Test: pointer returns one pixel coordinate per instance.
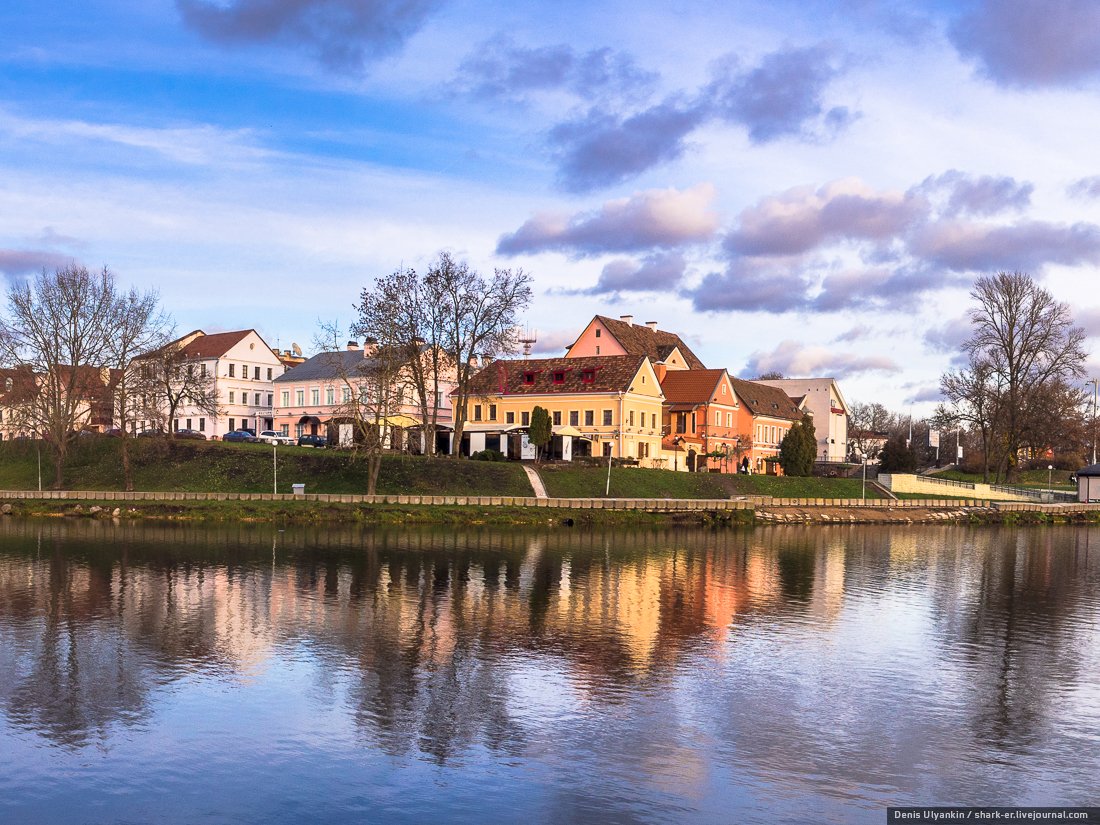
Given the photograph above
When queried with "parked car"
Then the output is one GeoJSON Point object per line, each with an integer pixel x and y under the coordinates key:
{"type": "Point", "coordinates": [193, 435]}
{"type": "Point", "coordinates": [237, 436]}
{"type": "Point", "coordinates": [272, 437]}
{"type": "Point", "coordinates": [150, 434]}
{"type": "Point", "coordinates": [312, 441]}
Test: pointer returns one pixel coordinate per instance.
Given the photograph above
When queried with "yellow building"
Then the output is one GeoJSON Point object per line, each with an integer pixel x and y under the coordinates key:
{"type": "Point", "coordinates": [603, 406]}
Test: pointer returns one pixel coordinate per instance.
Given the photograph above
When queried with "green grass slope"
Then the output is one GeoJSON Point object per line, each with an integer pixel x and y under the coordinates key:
{"type": "Point", "coordinates": [212, 466]}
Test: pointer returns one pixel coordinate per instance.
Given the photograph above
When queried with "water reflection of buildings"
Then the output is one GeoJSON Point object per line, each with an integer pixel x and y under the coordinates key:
{"type": "Point", "coordinates": [422, 628]}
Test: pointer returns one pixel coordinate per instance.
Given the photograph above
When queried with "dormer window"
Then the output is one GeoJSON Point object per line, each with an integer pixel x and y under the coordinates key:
{"type": "Point", "coordinates": [588, 376]}
{"type": "Point", "coordinates": [559, 377]}
{"type": "Point", "coordinates": [528, 378]}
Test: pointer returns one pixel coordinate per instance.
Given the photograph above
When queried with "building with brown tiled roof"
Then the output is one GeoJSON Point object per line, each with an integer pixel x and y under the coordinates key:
{"type": "Point", "coordinates": [606, 405]}
{"type": "Point", "coordinates": [606, 336]}
{"type": "Point", "coordinates": [22, 398]}
{"type": "Point", "coordinates": [822, 398]}
{"type": "Point", "coordinates": [767, 413]}
{"type": "Point", "coordinates": [242, 370]}
{"type": "Point", "coordinates": [702, 413]}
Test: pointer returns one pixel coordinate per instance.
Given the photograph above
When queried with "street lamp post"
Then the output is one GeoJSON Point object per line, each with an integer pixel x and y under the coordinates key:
{"type": "Point", "coordinates": [1050, 469]}
{"type": "Point", "coordinates": [1092, 431]}
{"type": "Point", "coordinates": [863, 460]}
{"type": "Point", "coordinates": [275, 466]}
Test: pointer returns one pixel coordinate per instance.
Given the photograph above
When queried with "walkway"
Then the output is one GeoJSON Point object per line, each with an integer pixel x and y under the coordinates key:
{"type": "Point", "coordinates": [536, 482]}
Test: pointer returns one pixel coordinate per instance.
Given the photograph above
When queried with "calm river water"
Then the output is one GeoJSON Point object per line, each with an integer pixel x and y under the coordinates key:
{"type": "Point", "coordinates": [246, 675]}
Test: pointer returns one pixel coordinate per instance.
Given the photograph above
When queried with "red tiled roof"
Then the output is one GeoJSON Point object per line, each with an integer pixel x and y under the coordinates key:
{"type": "Point", "coordinates": [214, 346]}
{"type": "Point", "coordinates": [638, 339]}
{"type": "Point", "coordinates": [764, 400]}
{"type": "Point", "coordinates": [610, 373]}
{"type": "Point", "coordinates": [691, 386]}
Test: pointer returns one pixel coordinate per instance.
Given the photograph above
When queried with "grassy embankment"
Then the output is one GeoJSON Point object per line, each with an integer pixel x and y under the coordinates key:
{"type": "Point", "coordinates": [215, 467]}
{"type": "Point", "coordinates": [632, 482]}
{"type": "Point", "coordinates": [1059, 479]}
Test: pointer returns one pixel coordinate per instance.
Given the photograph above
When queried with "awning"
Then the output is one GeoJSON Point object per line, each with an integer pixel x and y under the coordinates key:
{"type": "Point", "coordinates": [307, 418]}
{"type": "Point", "coordinates": [401, 421]}
{"type": "Point", "coordinates": [567, 429]}
{"type": "Point", "coordinates": [489, 428]}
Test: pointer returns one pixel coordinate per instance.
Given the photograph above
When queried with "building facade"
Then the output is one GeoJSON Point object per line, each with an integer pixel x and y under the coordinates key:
{"type": "Point", "coordinates": [702, 415]}
{"type": "Point", "coordinates": [822, 398]}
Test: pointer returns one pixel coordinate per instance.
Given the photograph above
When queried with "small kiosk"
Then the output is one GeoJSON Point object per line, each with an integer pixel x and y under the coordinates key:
{"type": "Point", "coordinates": [1088, 484]}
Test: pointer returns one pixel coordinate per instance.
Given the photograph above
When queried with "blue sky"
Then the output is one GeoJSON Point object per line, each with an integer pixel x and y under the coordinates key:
{"type": "Point", "coordinates": [809, 187]}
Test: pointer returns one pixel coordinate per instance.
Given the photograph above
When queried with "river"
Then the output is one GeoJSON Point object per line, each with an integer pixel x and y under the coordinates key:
{"type": "Point", "coordinates": [186, 674]}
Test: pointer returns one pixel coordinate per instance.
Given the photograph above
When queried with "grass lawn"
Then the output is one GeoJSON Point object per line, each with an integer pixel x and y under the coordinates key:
{"type": "Point", "coordinates": [632, 482]}
{"type": "Point", "coordinates": [1026, 478]}
{"type": "Point", "coordinates": [213, 466]}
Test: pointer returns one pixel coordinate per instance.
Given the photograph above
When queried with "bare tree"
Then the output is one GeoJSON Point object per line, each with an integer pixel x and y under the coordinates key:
{"type": "Point", "coordinates": [60, 326]}
{"type": "Point", "coordinates": [374, 384]}
{"type": "Point", "coordinates": [1024, 343]}
{"type": "Point", "coordinates": [140, 326]}
{"type": "Point", "coordinates": [403, 312]}
{"type": "Point", "coordinates": [868, 427]}
{"type": "Point", "coordinates": [168, 378]}
{"type": "Point", "coordinates": [480, 318]}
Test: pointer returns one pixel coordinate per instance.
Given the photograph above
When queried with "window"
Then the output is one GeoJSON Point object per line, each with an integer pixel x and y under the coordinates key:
{"type": "Point", "coordinates": [347, 395]}
{"type": "Point", "coordinates": [729, 419]}
{"type": "Point", "coordinates": [630, 419]}
{"type": "Point", "coordinates": [588, 376]}
{"type": "Point", "coordinates": [597, 333]}
{"type": "Point", "coordinates": [557, 417]}
{"type": "Point", "coordinates": [693, 423]}
{"type": "Point", "coordinates": [232, 424]}
{"type": "Point", "coordinates": [244, 370]}
{"type": "Point", "coordinates": [188, 424]}
{"type": "Point", "coordinates": [271, 399]}
{"type": "Point", "coordinates": [607, 449]}
{"type": "Point", "coordinates": [232, 370]}
{"type": "Point", "coordinates": [202, 425]}
{"type": "Point", "coordinates": [284, 429]}
{"type": "Point", "coordinates": [589, 418]}
{"type": "Point", "coordinates": [723, 389]}
{"type": "Point", "coordinates": [232, 396]}
{"type": "Point", "coordinates": [256, 399]}
{"type": "Point", "coordinates": [477, 412]}
{"type": "Point", "coordinates": [574, 418]}
{"type": "Point", "coordinates": [202, 369]}
{"type": "Point", "coordinates": [285, 398]}
{"type": "Point", "coordinates": [718, 419]}
{"type": "Point", "coordinates": [597, 353]}
{"type": "Point", "coordinates": [269, 376]}
{"type": "Point", "coordinates": [300, 397]}
{"type": "Point", "coordinates": [492, 412]}
{"type": "Point", "coordinates": [176, 424]}
{"type": "Point", "coordinates": [525, 418]}
{"type": "Point", "coordinates": [330, 395]}
{"type": "Point", "coordinates": [256, 374]}
{"type": "Point", "coordinates": [559, 377]}
{"type": "Point", "coordinates": [509, 418]}
{"type": "Point", "coordinates": [607, 418]}
{"type": "Point", "coordinates": [681, 422]}
{"type": "Point", "coordinates": [528, 378]}
{"type": "Point", "coordinates": [315, 397]}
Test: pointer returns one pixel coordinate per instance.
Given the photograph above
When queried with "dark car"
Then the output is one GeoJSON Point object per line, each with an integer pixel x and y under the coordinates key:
{"type": "Point", "coordinates": [312, 441]}
{"type": "Point", "coordinates": [238, 436]}
{"type": "Point", "coordinates": [150, 434]}
{"type": "Point", "coordinates": [194, 435]}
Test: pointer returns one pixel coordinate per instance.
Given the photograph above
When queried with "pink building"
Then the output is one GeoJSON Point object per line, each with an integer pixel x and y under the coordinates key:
{"type": "Point", "coordinates": [314, 396]}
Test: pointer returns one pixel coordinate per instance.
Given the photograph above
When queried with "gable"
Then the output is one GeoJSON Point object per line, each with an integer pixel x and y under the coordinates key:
{"type": "Point", "coordinates": [595, 340]}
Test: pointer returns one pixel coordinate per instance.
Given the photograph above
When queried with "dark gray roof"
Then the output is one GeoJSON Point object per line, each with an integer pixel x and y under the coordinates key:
{"type": "Point", "coordinates": [1091, 470]}
{"type": "Point", "coordinates": [326, 366]}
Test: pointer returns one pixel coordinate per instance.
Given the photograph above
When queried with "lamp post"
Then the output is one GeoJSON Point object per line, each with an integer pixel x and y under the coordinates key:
{"type": "Point", "coordinates": [607, 489]}
{"type": "Point", "coordinates": [1050, 469]}
{"type": "Point", "coordinates": [863, 460]}
{"type": "Point", "coordinates": [1092, 430]}
{"type": "Point", "coordinates": [275, 466]}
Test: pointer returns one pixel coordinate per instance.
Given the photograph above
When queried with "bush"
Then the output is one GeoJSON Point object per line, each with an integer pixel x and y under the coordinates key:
{"type": "Point", "coordinates": [488, 455]}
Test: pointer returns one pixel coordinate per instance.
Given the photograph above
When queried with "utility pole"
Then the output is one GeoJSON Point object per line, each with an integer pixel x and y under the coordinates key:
{"type": "Point", "coordinates": [275, 466]}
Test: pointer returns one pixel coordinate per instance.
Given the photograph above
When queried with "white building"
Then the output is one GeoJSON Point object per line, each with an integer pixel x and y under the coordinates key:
{"type": "Point", "coordinates": [244, 369]}
{"type": "Point", "coordinates": [821, 397]}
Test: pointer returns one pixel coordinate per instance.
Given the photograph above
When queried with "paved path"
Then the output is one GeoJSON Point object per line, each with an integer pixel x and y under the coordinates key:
{"type": "Point", "coordinates": [536, 482]}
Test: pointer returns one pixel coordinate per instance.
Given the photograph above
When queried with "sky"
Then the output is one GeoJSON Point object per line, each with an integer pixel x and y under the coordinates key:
{"type": "Point", "coordinates": [808, 187]}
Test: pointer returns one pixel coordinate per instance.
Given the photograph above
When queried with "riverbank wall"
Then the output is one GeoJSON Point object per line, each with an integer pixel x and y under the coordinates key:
{"type": "Point", "coordinates": [322, 507]}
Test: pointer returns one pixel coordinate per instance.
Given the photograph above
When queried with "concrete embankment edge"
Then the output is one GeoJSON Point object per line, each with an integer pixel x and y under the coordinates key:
{"type": "Point", "coordinates": [744, 510]}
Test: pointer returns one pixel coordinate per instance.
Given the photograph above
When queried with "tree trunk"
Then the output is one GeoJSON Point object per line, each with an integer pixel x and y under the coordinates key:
{"type": "Point", "coordinates": [127, 471]}
{"type": "Point", "coordinates": [374, 465]}
{"type": "Point", "coordinates": [58, 469]}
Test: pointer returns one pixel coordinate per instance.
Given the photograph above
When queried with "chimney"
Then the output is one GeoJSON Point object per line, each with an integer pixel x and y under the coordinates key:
{"type": "Point", "coordinates": [370, 347]}
{"type": "Point", "coordinates": [473, 360]}
{"type": "Point", "coordinates": [661, 371]}
{"type": "Point", "coordinates": [652, 325]}
{"type": "Point", "coordinates": [627, 319]}
{"type": "Point", "coordinates": [353, 345]}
